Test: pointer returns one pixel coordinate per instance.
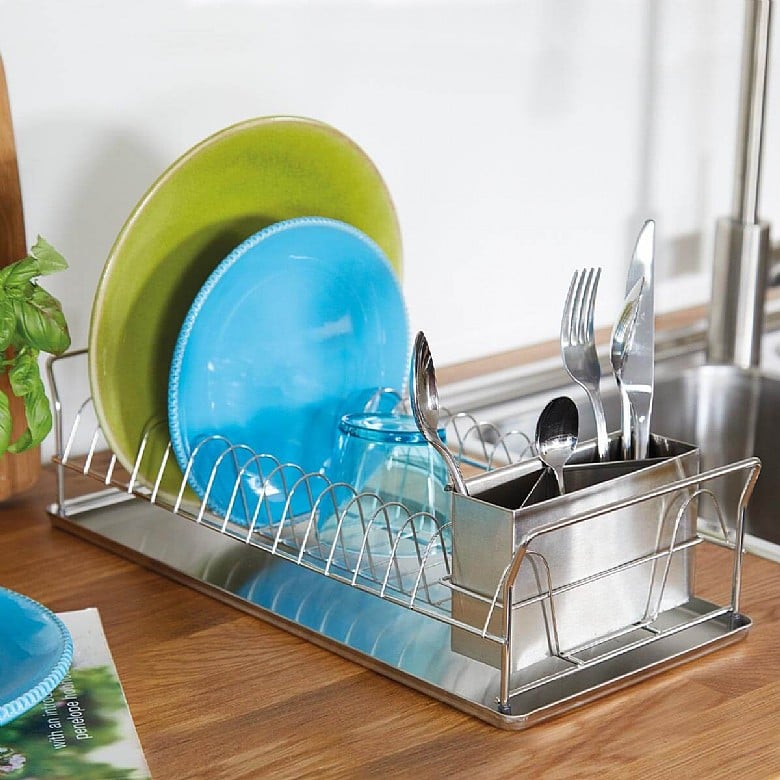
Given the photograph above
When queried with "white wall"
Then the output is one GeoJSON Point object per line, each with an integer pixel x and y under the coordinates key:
{"type": "Point", "coordinates": [520, 140]}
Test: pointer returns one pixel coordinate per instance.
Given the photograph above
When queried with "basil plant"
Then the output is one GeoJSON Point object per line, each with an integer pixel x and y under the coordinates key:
{"type": "Point", "coordinates": [31, 322]}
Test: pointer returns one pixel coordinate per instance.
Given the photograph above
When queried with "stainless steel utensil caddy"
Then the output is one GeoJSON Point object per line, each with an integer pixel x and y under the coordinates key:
{"type": "Point", "coordinates": [600, 581]}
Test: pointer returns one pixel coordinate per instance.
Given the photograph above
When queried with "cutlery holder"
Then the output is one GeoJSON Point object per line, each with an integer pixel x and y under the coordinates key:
{"type": "Point", "coordinates": [578, 583]}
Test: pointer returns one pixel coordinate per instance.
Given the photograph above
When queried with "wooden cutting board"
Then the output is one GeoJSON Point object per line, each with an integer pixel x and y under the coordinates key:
{"type": "Point", "coordinates": [17, 472]}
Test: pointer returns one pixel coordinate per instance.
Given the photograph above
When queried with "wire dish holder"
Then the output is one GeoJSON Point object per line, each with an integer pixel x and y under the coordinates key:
{"type": "Point", "coordinates": [410, 593]}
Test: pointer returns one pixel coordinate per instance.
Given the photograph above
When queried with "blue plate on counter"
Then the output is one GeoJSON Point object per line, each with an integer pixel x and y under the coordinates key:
{"type": "Point", "coordinates": [36, 651]}
{"type": "Point", "coordinates": [296, 327]}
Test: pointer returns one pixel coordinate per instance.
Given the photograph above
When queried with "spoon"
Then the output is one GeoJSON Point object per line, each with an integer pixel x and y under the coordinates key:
{"type": "Point", "coordinates": [622, 341]}
{"type": "Point", "coordinates": [424, 399]}
{"type": "Point", "coordinates": [556, 435]}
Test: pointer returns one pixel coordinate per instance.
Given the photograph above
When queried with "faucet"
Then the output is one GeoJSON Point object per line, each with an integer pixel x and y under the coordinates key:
{"type": "Point", "coordinates": [742, 245]}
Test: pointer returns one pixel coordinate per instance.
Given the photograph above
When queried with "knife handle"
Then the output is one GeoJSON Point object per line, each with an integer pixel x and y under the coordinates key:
{"type": "Point", "coordinates": [642, 428]}
{"type": "Point", "coordinates": [626, 424]}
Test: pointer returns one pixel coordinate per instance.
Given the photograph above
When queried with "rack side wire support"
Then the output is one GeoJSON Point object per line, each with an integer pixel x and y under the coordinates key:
{"type": "Point", "coordinates": [377, 581]}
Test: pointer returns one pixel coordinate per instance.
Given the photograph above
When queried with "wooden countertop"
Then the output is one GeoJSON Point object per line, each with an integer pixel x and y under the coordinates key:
{"type": "Point", "coordinates": [217, 693]}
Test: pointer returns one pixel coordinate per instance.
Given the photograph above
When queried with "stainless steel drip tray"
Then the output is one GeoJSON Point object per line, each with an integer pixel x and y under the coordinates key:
{"type": "Point", "coordinates": [392, 639]}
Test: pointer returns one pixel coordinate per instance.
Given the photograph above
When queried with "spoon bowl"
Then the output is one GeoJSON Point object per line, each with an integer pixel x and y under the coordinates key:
{"type": "Point", "coordinates": [556, 435]}
{"type": "Point", "coordinates": [424, 399]}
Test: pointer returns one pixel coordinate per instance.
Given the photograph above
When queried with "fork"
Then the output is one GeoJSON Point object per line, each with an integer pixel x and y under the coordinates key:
{"type": "Point", "coordinates": [578, 346]}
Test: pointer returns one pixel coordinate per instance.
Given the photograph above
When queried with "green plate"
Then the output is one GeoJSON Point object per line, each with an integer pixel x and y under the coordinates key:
{"type": "Point", "coordinates": [223, 190]}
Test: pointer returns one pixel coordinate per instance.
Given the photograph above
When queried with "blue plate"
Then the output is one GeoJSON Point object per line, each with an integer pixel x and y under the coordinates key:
{"type": "Point", "coordinates": [35, 653]}
{"type": "Point", "coordinates": [296, 327]}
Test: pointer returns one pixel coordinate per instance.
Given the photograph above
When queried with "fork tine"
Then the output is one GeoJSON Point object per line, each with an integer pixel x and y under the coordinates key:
{"type": "Point", "coordinates": [567, 320]}
{"type": "Point", "coordinates": [588, 297]}
{"type": "Point", "coordinates": [579, 305]}
{"type": "Point", "coordinates": [582, 308]}
{"type": "Point", "coordinates": [592, 290]}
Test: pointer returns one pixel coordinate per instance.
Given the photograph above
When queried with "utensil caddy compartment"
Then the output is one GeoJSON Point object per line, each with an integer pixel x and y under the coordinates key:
{"type": "Point", "coordinates": [604, 572]}
{"type": "Point", "coordinates": [600, 581]}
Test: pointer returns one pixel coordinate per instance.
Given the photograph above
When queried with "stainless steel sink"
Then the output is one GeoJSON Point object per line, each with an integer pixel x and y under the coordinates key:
{"type": "Point", "coordinates": [729, 412]}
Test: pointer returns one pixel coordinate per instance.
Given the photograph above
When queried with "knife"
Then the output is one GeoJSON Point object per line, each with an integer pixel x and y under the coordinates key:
{"type": "Point", "coordinates": [639, 365]}
{"type": "Point", "coordinates": [621, 344]}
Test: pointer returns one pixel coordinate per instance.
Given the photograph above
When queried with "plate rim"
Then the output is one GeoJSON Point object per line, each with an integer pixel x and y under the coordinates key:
{"type": "Point", "coordinates": [17, 706]}
{"type": "Point", "coordinates": [235, 256]}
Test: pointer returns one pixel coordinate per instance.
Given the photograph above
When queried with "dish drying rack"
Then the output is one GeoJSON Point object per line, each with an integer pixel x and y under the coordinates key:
{"type": "Point", "coordinates": [403, 602]}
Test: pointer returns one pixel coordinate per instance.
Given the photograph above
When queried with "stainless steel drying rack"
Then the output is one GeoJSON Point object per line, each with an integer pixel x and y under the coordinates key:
{"type": "Point", "coordinates": [340, 578]}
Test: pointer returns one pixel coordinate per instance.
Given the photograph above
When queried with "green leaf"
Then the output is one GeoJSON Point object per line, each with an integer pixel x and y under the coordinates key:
{"type": "Point", "coordinates": [49, 259]}
{"type": "Point", "coordinates": [16, 277]}
{"type": "Point", "coordinates": [25, 375]}
{"type": "Point", "coordinates": [31, 321]}
{"type": "Point", "coordinates": [5, 422]}
{"type": "Point", "coordinates": [24, 442]}
{"type": "Point", "coordinates": [39, 421]}
{"type": "Point", "coordinates": [41, 323]}
{"type": "Point", "coordinates": [7, 323]}
{"type": "Point", "coordinates": [5, 272]}
{"type": "Point", "coordinates": [43, 259]}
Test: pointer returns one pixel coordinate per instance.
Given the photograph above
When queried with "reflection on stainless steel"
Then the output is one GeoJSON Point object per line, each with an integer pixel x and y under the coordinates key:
{"type": "Point", "coordinates": [724, 419]}
{"type": "Point", "coordinates": [513, 502]}
{"type": "Point", "coordinates": [730, 414]}
{"type": "Point", "coordinates": [578, 346]}
{"type": "Point", "coordinates": [739, 282]}
{"type": "Point", "coordinates": [339, 576]}
{"type": "Point", "coordinates": [620, 345]}
{"type": "Point", "coordinates": [395, 641]}
{"type": "Point", "coordinates": [739, 276]}
{"type": "Point", "coordinates": [424, 398]}
{"type": "Point", "coordinates": [556, 436]}
{"type": "Point", "coordinates": [639, 362]}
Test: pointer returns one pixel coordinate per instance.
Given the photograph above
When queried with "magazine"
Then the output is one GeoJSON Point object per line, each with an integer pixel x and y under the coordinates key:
{"type": "Point", "coordinates": [83, 730]}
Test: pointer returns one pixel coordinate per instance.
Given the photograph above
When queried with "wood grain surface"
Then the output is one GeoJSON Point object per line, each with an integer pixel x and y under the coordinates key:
{"type": "Point", "coordinates": [216, 693]}
{"type": "Point", "coordinates": [17, 472]}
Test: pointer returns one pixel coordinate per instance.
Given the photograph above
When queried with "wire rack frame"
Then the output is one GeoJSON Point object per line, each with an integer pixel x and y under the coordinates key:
{"type": "Point", "coordinates": [399, 554]}
{"type": "Point", "coordinates": [408, 563]}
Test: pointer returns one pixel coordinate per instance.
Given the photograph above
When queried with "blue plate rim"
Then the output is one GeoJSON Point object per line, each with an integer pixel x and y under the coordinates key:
{"type": "Point", "coordinates": [177, 440]}
{"type": "Point", "coordinates": [13, 709]}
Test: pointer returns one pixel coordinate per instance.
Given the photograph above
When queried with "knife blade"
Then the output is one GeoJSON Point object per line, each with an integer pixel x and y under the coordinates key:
{"type": "Point", "coordinates": [639, 366]}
